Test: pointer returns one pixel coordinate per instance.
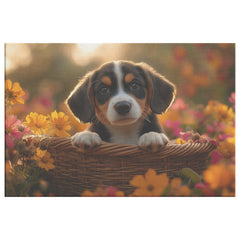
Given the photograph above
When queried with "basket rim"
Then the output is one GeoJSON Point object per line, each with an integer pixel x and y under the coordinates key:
{"type": "Point", "coordinates": [127, 150]}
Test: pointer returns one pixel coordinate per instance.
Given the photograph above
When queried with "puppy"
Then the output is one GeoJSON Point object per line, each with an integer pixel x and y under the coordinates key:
{"type": "Point", "coordinates": [120, 99]}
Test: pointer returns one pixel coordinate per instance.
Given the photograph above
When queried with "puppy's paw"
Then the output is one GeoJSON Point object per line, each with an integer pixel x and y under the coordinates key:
{"type": "Point", "coordinates": [152, 141]}
{"type": "Point", "coordinates": [86, 140]}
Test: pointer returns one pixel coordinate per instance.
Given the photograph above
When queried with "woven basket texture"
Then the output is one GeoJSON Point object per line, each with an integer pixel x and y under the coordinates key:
{"type": "Point", "coordinates": [116, 164]}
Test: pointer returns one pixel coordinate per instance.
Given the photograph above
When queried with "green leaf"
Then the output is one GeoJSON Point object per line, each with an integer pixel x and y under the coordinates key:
{"type": "Point", "coordinates": [191, 176]}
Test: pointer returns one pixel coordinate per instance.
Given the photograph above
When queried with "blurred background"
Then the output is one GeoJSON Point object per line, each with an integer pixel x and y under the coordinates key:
{"type": "Point", "coordinates": [49, 72]}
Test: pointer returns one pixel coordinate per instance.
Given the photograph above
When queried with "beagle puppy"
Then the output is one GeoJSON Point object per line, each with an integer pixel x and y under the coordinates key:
{"type": "Point", "coordinates": [120, 100]}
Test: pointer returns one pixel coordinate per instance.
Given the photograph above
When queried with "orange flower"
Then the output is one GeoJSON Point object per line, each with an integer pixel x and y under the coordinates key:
{"type": "Point", "coordinates": [177, 189]}
{"type": "Point", "coordinates": [150, 185]}
{"type": "Point", "coordinates": [44, 159]}
{"type": "Point", "coordinates": [219, 176]}
{"type": "Point", "coordinates": [227, 193]}
{"type": "Point", "coordinates": [103, 192]}
{"type": "Point", "coordinates": [172, 115]}
{"type": "Point", "coordinates": [87, 193]}
{"type": "Point", "coordinates": [223, 114]}
{"type": "Point", "coordinates": [187, 70]}
{"type": "Point", "coordinates": [38, 123]}
{"type": "Point", "coordinates": [13, 93]}
{"type": "Point", "coordinates": [59, 124]}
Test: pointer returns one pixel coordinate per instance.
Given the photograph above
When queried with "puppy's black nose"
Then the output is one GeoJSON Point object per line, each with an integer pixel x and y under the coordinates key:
{"type": "Point", "coordinates": [122, 107]}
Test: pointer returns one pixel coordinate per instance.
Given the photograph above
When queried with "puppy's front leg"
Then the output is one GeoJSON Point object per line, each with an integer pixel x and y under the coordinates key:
{"type": "Point", "coordinates": [86, 140]}
{"type": "Point", "coordinates": [153, 141]}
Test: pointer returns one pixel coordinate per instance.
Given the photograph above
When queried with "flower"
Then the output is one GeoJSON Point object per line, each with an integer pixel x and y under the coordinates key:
{"type": "Point", "coordinates": [209, 109]}
{"type": "Point", "coordinates": [150, 185]}
{"type": "Point", "coordinates": [232, 99]}
{"type": "Point", "coordinates": [228, 193]}
{"type": "Point", "coordinates": [59, 124]}
{"type": "Point", "coordinates": [187, 70]}
{"type": "Point", "coordinates": [43, 157]}
{"type": "Point", "coordinates": [174, 126]}
{"type": "Point", "coordinates": [223, 114]}
{"type": "Point", "coordinates": [87, 193]}
{"type": "Point", "coordinates": [227, 148]}
{"type": "Point", "coordinates": [179, 104]}
{"type": "Point", "coordinates": [216, 157]}
{"type": "Point", "coordinates": [179, 53]}
{"type": "Point", "coordinates": [204, 187]}
{"type": "Point", "coordinates": [14, 129]}
{"type": "Point", "coordinates": [13, 93]}
{"type": "Point", "coordinates": [180, 141]}
{"type": "Point", "coordinates": [223, 137]}
{"type": "Point", "coordinates": [103, 192]}
{"type": "Point", "coordinates": [229, 130]}
{"type": "Point", "coordinates": [177, 189]}
{"type": "Point", "coordinates": [219, 176]}
{"type": "Point", "coordinates": [37, 123]}
{"type": "Point", "coordinates": [215, 128]}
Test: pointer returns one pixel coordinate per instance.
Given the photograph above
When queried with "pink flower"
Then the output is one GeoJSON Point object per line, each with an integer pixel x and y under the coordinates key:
{"type": "Point", "coordinates": [232, 99]}
{"type": "Point", "coordinates": [174, 126]}
{"type": "Point", "coordinates": [222, 137]}
{"type": "Point", "coordinates": [179, 105]}
{"type": "Point", "coordinates": [111, 191]}
{"type": "Point", "coordinates": [186, 135]}
{"type": "Point", "coordinates": [217, 127]}
{"type": "Point", "coordinates": [14, 129]}
{"type": "Point", "coordinates": [206, 190]}
{"type": "Point", "coordinates": [9, 141]}
{"type": "Point", "coordinates": [216, 157]}
{"type": "Point", "coordinates": [199, 115]}
{"type": "Point", "coordinates": [204, 138]}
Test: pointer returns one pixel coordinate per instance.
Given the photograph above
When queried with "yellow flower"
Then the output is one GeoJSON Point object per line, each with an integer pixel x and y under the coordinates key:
{"type": "Point", "coordinates": [44, 159]}
{"type": "Point", "coordinates": [227, 148]}
{"type": "Point", "coordinates": [230, 130]}
{"type": "Point", "coordinates": [151, 185]}
{"type": "Point", "coordinates": [180, 141]}
{"type": "Point", "coordinates": [219, 176]}
{"type": "Point", "coordinates": [222, 113]}
{"type": "Point", "coordinates": [209, 108]}
{"type": "Point", "coordinates": [38, 123]}
{"type": "Point", "coordinates": [177, 189]}
{"type": "Point", "coordinates": [13, 93]}
{"type": "Point", "coordinates": [59, 124]}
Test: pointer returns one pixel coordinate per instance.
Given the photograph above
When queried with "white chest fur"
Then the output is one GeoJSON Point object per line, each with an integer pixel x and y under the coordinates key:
{"type": "Point", "coordinates": [125, 134]}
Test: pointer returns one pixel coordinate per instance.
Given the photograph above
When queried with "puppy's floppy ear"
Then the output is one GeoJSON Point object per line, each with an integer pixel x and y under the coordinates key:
{"type": "Point", "coordinates": [79, 101]}
{"type": "Point", "coordinates": [163, 91]}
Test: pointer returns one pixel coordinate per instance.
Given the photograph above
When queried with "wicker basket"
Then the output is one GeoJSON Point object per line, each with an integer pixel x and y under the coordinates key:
{"type": "Point", "coordinates": [115, 164]}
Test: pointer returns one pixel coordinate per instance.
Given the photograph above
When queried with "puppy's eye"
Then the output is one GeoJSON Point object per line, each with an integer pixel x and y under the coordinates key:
{"type": "Point", "coordinates": [133, 85]}
{"type": "Point", "coordinates": [103, 90]}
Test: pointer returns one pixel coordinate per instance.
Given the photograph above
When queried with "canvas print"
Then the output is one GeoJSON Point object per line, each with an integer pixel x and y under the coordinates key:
{"type": "Point", "coordinates": [120, 120]}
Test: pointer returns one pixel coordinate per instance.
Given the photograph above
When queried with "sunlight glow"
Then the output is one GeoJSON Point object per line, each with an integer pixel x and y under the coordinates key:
{"type": "Point", "coordinates": [17, 55]}
{"type": "Point", "coordinates": [88, 48]}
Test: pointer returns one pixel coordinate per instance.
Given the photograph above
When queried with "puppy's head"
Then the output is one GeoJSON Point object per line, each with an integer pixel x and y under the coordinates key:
{"type": "Point", "coordinates": [120, 93]}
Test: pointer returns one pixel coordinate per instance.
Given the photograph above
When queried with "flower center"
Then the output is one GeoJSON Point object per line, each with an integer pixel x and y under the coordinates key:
{"type": "Point", "coordinates": [150, 187]}
{"type": "Point", "coordinates": [9, 94]}
{"type": "Point", "coordinates": [44, 160]}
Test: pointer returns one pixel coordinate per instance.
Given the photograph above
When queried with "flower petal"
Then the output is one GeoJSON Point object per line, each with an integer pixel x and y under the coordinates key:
{"type": "Point", "coordinates": [138, 181]}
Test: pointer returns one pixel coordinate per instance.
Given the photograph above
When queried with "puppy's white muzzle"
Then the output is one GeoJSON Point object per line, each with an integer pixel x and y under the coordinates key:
{"type": "Point", "coordinates": [123, 109]}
